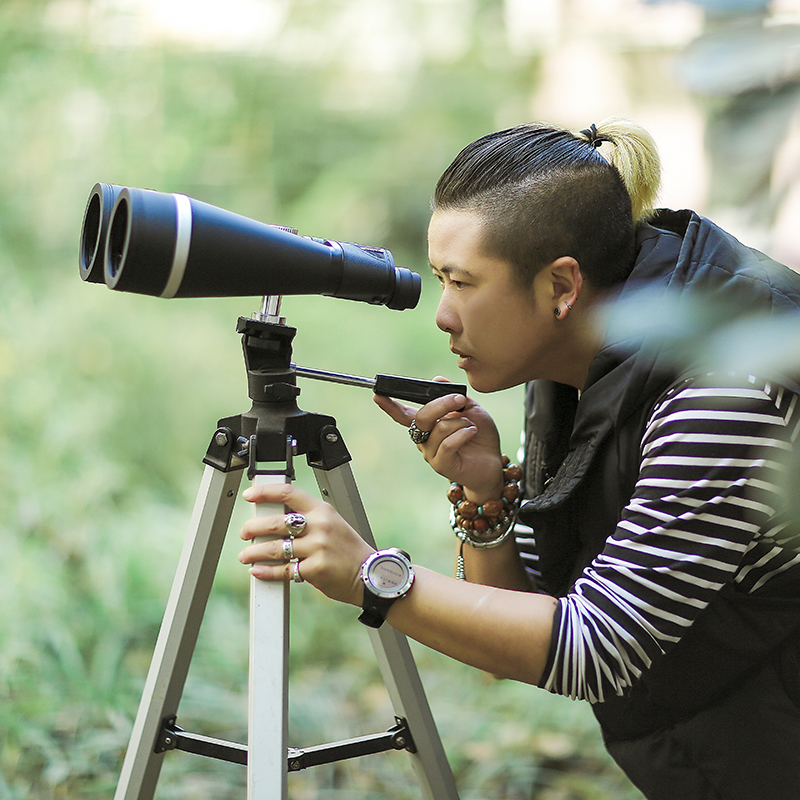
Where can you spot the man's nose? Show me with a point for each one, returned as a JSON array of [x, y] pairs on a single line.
[[446, 319]]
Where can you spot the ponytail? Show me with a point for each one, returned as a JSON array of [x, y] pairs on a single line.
[[633, 152]]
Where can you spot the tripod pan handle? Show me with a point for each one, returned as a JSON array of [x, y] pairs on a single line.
[[414, 390]]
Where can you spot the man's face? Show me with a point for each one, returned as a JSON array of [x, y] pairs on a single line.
[[503, 336]]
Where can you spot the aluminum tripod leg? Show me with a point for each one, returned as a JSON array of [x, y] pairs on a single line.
[[178, 635], [394, 655], [268, 706]]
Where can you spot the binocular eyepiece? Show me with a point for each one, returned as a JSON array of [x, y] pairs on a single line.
[[171, 245]]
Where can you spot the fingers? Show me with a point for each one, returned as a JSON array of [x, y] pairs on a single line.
[[281, 493], [428, 414], [438, 422], [448, 437], [325, 550], [431, 413], [274, 551], [276, 572], [292, 524]]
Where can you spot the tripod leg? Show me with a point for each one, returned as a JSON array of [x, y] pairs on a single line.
[[269, 686], [394, 655], [179, 628]]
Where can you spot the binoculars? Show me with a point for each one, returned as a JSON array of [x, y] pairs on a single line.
[[171, 245]]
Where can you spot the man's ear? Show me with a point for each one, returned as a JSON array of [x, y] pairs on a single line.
[[565, 283]]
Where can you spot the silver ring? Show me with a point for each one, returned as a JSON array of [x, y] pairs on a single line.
[[417, 436], [295, 523], [288, 550], [298, 578]]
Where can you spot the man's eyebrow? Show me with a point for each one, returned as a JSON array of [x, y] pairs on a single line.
[[449, 270]]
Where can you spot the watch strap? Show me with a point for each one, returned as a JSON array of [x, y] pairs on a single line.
[[374, 609]]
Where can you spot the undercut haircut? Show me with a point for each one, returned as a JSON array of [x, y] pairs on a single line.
[[544, 193]]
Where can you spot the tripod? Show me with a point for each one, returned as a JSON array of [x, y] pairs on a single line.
[[264, 441]]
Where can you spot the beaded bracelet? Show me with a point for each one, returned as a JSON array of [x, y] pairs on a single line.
[[487, 525]]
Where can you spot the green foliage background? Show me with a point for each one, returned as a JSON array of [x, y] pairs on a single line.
[[108, 401]]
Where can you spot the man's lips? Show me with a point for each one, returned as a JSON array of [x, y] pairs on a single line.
[[463, 358]]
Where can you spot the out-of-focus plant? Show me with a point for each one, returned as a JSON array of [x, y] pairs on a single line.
[[744, 68]]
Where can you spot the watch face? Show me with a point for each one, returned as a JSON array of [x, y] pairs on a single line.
[[388, 576]]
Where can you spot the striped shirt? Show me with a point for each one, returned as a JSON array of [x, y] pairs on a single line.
[[707, 510]]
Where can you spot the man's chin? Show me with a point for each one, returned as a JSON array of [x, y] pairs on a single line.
[[484, 384], [480, 384]]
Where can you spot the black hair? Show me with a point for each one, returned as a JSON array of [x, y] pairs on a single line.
[[545, 192]]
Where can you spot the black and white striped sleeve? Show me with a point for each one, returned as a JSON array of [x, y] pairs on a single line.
[[706, 510]]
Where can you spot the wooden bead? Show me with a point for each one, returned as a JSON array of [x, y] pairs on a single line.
[[513, 472], [493, 508], [511, 491], [480, 524], [455, 494], [467, 509]]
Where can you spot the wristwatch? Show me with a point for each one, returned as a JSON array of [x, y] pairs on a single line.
[[387, 576]]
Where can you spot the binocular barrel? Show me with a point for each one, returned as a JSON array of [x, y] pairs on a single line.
[[171, 245], [95, 230]]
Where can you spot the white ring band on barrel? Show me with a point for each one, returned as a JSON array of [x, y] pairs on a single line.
[[183, 236]]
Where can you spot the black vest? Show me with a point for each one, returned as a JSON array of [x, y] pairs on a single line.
[[582, 462]]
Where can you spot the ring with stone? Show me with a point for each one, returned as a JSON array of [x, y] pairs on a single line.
[[298, 578], [288, 550], [417, 436], [295, 523]]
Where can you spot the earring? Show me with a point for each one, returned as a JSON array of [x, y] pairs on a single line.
[[557, 310]]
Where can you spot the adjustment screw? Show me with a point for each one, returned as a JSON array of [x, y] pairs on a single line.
[[221, 438], [331, 437], [400, 741]]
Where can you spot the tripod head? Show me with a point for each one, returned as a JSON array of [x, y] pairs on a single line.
[[275, 429]]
